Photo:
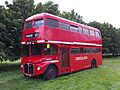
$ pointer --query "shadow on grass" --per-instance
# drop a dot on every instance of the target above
(110, 56)
(66, 74)
(5, 67)
(40, 77)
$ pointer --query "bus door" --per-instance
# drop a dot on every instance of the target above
(65, 59)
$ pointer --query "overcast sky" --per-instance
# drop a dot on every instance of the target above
(98, 10)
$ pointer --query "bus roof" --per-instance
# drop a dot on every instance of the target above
(37, 16)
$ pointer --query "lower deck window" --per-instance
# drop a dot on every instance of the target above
(52, 50)
(95, 50)
(91, 50)
(75, 50)
(81, 50)
(31, 49)
(85, 50)
(25, 50)
(36, 49)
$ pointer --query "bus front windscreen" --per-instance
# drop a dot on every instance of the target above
(38, 23)
(32, 49)
(28, 25)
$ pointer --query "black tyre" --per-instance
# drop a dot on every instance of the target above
(25, 75)
(93, 64)
(50, 73)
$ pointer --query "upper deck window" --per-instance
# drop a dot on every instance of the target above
(28, 25)
(51, 23)
(97, 34)
(92, 33)
(64, 26)
(38, 23)
(85, 31)
(80, 30)
(73, 28)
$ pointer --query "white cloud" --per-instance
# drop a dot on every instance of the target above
(98, 10)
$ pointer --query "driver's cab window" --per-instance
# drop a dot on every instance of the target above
(50, 49)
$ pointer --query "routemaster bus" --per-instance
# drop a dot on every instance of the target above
(52, 46)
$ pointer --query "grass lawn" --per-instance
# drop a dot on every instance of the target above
(106, 77)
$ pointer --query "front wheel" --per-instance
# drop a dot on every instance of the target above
(50, 73)
(25, 75)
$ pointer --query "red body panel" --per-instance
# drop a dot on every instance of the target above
(61, 38)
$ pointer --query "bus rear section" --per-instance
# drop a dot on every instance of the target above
(83, 57)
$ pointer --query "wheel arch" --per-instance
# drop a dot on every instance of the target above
(94, 60)
(52, 64)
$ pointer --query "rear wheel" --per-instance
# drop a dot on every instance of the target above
(50, 73)
(93, 64)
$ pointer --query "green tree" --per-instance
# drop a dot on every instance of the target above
(2, 44)
(3, 34)
(38, 8)
(12, 18)
(110, 40)
(74, 16)
(48, 7)
(22, 8)
(11, 22)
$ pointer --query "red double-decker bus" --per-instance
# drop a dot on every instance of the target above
(52, 46)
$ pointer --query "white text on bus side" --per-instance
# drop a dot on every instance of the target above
(81, 58)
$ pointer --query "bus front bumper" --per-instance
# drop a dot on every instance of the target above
(30, 69)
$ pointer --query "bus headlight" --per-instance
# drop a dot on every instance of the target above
(21, 66)
(36, 34)
(38, 68)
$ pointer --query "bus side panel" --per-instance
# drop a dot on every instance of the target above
(97, 57)
(83, 61)
(79, 62)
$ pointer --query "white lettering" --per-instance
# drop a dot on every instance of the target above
(81, 58)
